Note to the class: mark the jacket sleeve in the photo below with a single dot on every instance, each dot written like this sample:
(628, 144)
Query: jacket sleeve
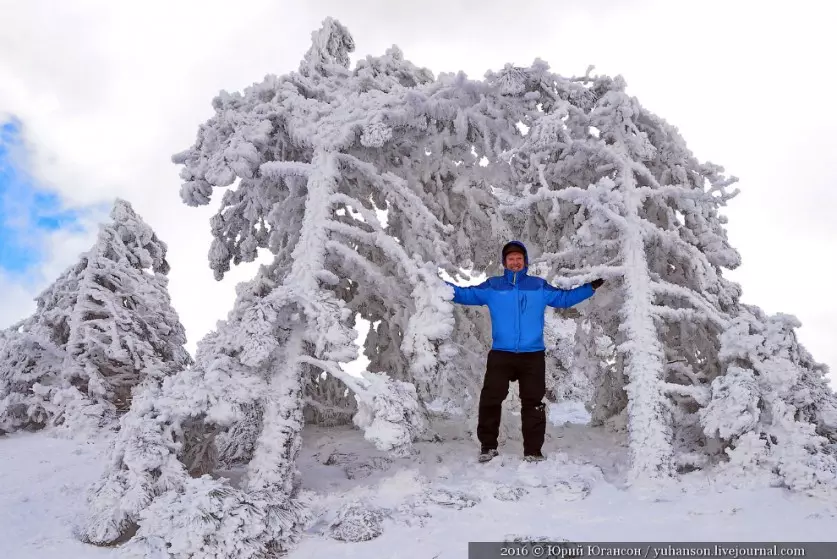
(564, 298)
(471, 295)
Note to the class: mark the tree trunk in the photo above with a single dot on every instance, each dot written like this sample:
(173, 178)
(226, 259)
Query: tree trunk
(274, 460)
(648, 426)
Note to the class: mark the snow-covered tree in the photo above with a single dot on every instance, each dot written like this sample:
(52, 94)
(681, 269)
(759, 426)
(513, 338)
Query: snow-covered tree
(406, 146)
(312, 158)
(603, 188)
(123, 328)
(772, 408)
(103, 327)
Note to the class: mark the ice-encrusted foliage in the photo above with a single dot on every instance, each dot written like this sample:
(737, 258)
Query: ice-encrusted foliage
(773, 407)
(102, 328)
(26, 361)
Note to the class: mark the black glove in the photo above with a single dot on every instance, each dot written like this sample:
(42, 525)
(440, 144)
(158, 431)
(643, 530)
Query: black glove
(597, 283)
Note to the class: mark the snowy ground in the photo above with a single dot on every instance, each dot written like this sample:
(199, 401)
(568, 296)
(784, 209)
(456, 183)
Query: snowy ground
(433, 504)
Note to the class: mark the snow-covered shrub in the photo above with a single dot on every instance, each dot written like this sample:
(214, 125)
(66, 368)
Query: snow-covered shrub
(356, 522)
(209, 518)
(26, 361)
(756, 407)
(165, 437)
(389, 413)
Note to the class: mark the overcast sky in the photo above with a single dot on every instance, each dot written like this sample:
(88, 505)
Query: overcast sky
(97, 95)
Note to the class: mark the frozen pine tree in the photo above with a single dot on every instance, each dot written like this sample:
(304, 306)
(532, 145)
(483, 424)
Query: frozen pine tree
(102, 328)
(409, 147)
(123, 328)
(606, 189)
(309, 161)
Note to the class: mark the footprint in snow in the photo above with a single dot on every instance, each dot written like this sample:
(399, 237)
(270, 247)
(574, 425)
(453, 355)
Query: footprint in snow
(411, 515)
(451, 498)
(364, 469)
(509, 493)
(338, 458)
(572, 489)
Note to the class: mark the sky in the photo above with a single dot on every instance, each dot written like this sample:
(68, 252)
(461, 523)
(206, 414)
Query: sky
(96, 96)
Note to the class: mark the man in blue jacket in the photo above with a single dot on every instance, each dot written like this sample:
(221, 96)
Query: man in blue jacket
(516, 302)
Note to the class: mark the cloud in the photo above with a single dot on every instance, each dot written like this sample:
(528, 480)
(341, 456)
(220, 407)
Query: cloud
(107, 91)
(30, 217)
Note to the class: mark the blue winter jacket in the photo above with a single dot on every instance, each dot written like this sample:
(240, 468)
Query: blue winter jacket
(517, 302)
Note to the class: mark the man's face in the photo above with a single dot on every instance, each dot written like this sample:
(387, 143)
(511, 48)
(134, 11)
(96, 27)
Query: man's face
(514, 261)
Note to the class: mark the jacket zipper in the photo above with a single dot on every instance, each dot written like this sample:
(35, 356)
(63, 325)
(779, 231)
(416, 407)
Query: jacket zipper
(517, 299)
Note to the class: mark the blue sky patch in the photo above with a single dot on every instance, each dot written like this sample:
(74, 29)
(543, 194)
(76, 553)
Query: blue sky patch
(27, 211)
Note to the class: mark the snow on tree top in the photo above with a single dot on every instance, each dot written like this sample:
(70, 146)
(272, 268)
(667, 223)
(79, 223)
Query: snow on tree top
(144, 248)
(331, 45)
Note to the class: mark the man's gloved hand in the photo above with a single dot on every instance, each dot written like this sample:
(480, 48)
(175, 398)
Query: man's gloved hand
(597, 283)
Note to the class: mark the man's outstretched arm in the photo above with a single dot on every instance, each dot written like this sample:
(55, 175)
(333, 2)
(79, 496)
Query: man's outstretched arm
(564, 298)
(470, 295)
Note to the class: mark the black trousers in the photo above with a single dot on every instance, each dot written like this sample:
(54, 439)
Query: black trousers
(529, 370)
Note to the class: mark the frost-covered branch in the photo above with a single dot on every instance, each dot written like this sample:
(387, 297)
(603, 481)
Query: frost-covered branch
(388, 410)
(282, 169)
(672, 240)
(700, 394)
(680, 315)
(570, 254)
(377, 239)
(588, 274)
(355, 384)
(679, 192)
(371, 272)
(395, 188)
(369, 216)
(700, 304)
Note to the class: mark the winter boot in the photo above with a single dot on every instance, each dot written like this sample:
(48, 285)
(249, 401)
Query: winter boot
(536, 457)
(487, 454)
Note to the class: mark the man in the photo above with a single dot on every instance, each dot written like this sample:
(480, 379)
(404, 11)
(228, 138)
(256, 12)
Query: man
(516, 303)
